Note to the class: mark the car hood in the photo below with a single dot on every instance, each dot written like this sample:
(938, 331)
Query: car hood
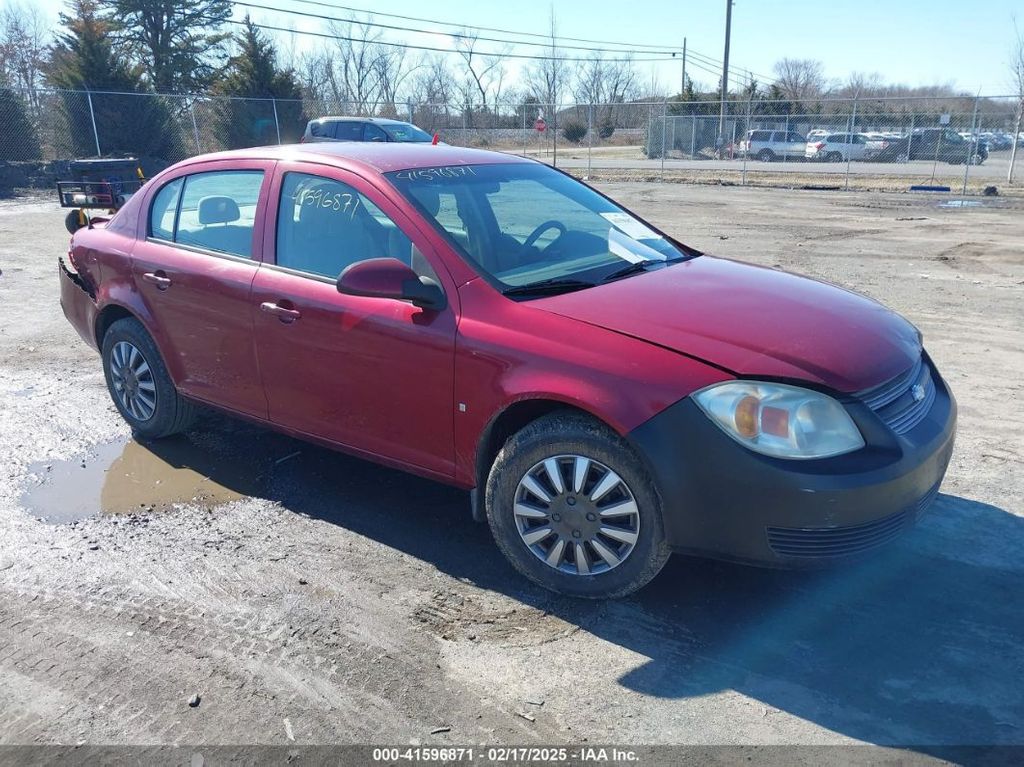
(752, 321)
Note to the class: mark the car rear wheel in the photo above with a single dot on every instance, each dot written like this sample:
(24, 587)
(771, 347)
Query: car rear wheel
(766, 155)
(835, 157)
(139, 384)
(573, 509)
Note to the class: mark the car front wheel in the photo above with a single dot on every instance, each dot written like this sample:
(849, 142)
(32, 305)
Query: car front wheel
(139, 383)
(573, 509)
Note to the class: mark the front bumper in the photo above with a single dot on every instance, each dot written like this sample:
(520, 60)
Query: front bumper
(722, 500)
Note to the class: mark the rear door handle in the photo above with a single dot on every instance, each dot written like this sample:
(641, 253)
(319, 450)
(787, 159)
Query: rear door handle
(283, 313)
(160, 279)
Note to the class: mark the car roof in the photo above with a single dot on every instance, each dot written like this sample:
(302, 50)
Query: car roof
(379, 157)
(349, 118)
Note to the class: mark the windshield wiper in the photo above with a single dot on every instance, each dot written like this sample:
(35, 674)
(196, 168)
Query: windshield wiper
(640, 266)
(544, 287)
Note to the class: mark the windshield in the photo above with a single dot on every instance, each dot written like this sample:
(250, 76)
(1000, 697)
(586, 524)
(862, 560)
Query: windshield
(405, 132)
(521, 224)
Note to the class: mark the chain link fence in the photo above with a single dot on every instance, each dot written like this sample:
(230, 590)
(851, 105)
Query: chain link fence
(964, 143)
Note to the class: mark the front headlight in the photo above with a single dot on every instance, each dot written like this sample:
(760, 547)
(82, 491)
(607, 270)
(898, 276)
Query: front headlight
(779, 420)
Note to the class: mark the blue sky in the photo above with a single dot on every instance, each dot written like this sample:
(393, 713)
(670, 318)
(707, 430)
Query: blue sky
(916, 42)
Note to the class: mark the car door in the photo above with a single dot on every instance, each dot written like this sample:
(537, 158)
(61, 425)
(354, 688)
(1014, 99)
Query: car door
(375, 375)
(194, 270)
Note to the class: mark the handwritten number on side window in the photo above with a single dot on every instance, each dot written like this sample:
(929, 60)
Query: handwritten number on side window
(339, 202)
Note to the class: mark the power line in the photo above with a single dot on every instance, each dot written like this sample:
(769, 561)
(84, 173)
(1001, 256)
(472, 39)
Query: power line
(699, 60)
(462, 25)
(461, 35)
(328, 36)
(651, 49)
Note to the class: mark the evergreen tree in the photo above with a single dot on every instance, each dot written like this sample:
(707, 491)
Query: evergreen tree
(20, 141)
(84, 58)
(254, 79)
(179, 45)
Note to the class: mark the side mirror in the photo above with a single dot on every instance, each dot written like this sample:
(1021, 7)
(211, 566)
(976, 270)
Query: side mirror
(390, 278)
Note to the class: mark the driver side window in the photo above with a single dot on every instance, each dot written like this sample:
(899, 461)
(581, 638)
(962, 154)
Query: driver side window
(325, 225)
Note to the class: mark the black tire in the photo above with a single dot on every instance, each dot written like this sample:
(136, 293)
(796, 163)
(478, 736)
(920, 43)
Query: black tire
(835, 157)
(171, 413)
(72, 221)
(766, 155)
(563, 434)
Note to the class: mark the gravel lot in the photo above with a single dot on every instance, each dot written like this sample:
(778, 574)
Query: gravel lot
(308, 596)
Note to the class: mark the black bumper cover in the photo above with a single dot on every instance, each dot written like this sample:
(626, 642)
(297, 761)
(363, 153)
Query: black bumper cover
(722, 500)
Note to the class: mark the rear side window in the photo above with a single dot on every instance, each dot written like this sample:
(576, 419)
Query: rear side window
(214, 211)
(348, 130)
(164, 210)
(319, 129)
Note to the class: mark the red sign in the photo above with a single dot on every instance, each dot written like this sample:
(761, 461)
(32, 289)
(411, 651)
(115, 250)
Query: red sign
(540, 125)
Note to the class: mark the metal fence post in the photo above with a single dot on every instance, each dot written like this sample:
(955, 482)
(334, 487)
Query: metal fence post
(849, 144)
(195, 126)
(784, 154)
(590, 135)
(92, 116)
(746, 127)
(693, 134)
(277, 123)
(910, 137)
(1016, 140)
(664, 125)
(971, 148)
(525, 134)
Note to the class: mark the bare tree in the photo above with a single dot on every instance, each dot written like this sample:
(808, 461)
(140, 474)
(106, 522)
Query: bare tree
(353, 74)
(548, 78)
(485, 73)
(800, 79)
(605, 84)
(392, 68)
(24, 37)
(1017, 74)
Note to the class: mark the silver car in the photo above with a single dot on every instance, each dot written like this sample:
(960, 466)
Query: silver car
(363, 129)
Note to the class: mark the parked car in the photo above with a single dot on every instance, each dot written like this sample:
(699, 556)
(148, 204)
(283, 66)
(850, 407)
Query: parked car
(837, 147)
(363, 129)
(877, 143)
(932, 144)
(772, 145)
(607, 393)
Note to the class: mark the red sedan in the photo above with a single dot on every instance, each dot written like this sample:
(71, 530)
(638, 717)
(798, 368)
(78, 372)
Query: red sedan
(607, 393)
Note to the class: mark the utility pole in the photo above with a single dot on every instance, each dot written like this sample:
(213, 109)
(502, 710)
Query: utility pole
(682, 88)
(725, 70)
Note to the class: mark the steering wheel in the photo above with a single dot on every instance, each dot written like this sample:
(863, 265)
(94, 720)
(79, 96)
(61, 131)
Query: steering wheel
(536, 233)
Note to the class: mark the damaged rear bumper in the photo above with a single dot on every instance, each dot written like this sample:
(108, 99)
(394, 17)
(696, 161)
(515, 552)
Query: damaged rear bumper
(78, 301)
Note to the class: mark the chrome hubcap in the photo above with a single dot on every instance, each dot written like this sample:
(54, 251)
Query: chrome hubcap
(576, 515)
(133, 381)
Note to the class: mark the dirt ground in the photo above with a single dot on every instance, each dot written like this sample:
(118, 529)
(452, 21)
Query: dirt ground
(310, 597)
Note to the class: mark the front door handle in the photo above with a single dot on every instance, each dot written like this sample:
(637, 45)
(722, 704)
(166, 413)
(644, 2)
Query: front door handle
(159, 278)
(283, 313)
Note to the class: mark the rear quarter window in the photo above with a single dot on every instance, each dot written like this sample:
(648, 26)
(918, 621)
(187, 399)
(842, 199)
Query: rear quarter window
(164, 209)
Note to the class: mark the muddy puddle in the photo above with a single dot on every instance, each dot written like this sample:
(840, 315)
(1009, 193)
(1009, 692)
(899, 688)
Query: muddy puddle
(126, 477)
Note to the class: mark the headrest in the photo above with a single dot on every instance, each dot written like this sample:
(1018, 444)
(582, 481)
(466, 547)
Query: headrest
(218, 210)
(428, 198)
